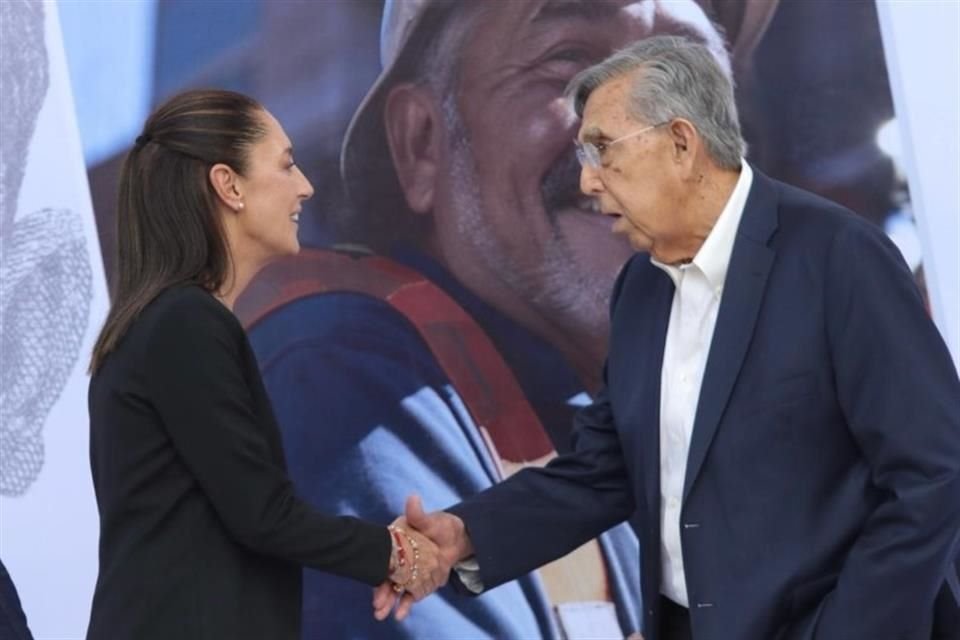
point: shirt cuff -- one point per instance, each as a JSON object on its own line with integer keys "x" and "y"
{"x": 469, "y": 573}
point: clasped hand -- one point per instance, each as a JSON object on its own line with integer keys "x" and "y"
{"x": 426, "y": 546}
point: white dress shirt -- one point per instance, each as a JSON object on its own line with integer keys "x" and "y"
{"x": 693, "y": 315}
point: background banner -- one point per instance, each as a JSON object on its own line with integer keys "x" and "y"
{"x": 53, "y": 299}
{"x": 460, "y": 282}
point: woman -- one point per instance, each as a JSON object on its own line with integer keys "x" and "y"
{"x": 201, "y": 535}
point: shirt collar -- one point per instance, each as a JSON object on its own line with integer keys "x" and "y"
{"x": 713, "y": 258}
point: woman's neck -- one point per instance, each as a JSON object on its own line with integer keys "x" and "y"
{"x": 241, "y": 270}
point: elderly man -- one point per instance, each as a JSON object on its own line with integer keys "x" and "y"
{"x": 778, "y": 407}
{"x": 463, "y": 356}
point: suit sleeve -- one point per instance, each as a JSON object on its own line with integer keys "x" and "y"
{"x": 540, "y": 514}
{"x": 898, "y": 389}
{"x": 196, "y": 379}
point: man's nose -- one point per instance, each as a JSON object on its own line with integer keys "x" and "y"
{"x": 590, "y": 183}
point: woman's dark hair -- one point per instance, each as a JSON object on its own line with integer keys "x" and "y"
{"x": 168, "y": 228}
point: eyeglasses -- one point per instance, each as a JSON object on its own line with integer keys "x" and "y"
{"x": 590, "y": 154}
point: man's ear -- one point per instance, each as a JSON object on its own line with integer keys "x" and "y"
{"x": 412, "y": 122}
{"x": 685, "y": 140}
{"x": 226, "y": 185}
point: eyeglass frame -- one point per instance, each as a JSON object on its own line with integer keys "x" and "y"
{"x": 590, "y": 155}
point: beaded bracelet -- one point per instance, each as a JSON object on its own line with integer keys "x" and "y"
{"x": 400, "y": 552}
{"x": 401, "y": 557}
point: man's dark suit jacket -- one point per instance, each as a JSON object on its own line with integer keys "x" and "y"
{"x": 822, "y": 491}
{"x": 201, "y": 534}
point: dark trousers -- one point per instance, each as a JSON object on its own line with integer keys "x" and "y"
{"x": 674, "y": 621}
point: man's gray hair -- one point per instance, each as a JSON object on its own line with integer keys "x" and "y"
{"x": 678, "y": 78}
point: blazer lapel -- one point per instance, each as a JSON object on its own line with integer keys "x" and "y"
{"x": 746, "y": 280}
{"x": 654, "y": 323}
{"x": 638, "y": 334}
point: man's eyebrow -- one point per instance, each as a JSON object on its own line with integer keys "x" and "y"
{"x": 593, "y": 134}
{"x": 576, "y": 9}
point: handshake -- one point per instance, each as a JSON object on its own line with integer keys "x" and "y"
{"x": 425, "y": 548}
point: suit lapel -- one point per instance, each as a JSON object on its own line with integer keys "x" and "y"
{"x": 639, "y": 332}
{"x": 654, "y": 322}
{"x": 750, "y": 264}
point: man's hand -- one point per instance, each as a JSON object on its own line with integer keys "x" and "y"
{"x": 446, "y": 530}
{"x": 446, "y": 542}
